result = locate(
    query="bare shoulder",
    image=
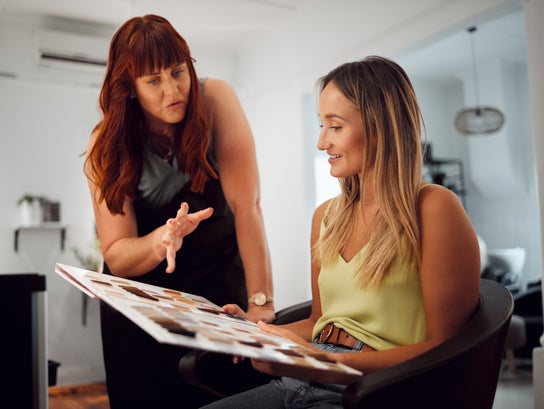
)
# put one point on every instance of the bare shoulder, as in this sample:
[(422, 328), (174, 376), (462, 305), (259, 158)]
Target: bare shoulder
[(438, 200), (317, 219), (221, 103), (216, 89), (319, 212), (445, 224)]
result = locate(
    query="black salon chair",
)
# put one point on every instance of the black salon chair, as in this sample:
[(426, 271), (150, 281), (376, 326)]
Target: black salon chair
[(528, 305), (462, 372)]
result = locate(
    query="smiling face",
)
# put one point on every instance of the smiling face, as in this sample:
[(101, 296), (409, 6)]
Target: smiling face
[(163, 96), (342, 132)]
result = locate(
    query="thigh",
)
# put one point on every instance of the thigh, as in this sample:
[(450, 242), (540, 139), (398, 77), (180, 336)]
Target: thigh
[(263, 397), (300, 394)]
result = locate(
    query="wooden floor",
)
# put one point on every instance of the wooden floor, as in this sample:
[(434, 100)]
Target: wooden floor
[(514, 390), (92, 396)]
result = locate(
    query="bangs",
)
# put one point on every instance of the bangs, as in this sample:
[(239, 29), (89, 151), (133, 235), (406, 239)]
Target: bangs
[(153, 51)]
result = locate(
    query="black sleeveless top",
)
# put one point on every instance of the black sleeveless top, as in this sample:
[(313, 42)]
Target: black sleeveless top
[(208, 263)]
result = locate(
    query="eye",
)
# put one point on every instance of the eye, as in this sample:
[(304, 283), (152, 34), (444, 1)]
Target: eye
[(153, 81), (178, 72)]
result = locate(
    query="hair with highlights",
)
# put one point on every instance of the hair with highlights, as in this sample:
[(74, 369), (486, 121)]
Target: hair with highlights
[(114, 163), (383, 94)]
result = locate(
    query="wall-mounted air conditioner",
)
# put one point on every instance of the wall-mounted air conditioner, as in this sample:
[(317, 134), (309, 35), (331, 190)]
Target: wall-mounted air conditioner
[(71, 50)]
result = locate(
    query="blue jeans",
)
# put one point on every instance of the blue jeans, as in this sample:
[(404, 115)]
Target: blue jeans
[(289, 393)]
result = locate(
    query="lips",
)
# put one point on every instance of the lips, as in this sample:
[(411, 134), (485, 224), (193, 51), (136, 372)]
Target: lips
[(175, 104)]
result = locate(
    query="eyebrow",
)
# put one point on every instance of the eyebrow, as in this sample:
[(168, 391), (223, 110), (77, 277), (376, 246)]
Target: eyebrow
[(150, 74), (333, 116)]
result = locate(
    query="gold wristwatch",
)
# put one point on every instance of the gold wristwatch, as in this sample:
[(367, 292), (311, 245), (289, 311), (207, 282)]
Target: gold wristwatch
[(260, 299)]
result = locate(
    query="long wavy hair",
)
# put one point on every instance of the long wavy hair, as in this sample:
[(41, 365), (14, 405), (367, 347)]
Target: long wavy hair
[(140, 46), (383, 94)]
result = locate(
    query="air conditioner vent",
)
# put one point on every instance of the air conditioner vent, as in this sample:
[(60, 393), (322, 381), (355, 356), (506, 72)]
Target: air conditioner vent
[(55, 57), (71, 50)]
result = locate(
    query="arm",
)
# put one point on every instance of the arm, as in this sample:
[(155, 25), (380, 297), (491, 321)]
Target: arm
[(129, 255), (236, 158), (446, 278)]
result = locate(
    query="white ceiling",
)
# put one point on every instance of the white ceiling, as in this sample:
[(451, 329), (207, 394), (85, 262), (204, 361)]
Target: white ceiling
[(219, 23), (497, 38), (231, 25)]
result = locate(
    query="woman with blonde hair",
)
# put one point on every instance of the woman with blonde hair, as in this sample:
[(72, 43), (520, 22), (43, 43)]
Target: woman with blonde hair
[(395, 261)]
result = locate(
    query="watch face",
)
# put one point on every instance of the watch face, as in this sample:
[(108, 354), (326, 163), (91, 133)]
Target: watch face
[(259, 299)]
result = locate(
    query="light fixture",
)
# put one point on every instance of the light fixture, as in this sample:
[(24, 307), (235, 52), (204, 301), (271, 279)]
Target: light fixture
[(479, 119)]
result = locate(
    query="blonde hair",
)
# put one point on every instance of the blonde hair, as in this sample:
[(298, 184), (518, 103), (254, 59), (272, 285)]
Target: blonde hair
[(382, 92)]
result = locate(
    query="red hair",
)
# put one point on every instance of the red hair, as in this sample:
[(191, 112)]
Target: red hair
[(142, 45)]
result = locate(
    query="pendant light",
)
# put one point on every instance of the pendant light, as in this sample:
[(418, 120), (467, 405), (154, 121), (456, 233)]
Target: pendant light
[(478, 119)]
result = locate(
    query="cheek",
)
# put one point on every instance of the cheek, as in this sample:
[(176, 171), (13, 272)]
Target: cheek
[(186, 87), (148, 101)]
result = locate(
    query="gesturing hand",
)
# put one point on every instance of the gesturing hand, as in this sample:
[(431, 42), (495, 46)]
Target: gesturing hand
[(177, 228)]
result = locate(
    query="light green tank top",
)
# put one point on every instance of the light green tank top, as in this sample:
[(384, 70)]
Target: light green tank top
[(388, 316)]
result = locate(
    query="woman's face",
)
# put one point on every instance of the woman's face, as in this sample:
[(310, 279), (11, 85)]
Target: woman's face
[(342, 132), (163, 95)]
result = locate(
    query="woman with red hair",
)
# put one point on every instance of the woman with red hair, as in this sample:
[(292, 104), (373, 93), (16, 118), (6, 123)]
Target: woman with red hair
[(169, 142)]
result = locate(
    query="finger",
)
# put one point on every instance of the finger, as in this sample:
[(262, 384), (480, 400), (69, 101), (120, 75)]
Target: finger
[(189, 222), (270, 328), (233, 309), (171, 226), (197, 217), (183, 210), (236, 359), (170, 259)]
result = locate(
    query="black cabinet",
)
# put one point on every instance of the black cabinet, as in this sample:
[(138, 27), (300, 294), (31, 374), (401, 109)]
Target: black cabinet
[(23, 340), (445, 172)]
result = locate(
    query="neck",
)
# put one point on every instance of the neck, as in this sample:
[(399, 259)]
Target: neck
[(161, 145)]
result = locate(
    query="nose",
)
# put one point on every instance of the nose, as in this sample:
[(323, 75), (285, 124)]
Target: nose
[(323, 143), (171, 87)]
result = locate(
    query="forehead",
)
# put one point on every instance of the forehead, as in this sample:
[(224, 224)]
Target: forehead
[(148, 57), (332, 102)]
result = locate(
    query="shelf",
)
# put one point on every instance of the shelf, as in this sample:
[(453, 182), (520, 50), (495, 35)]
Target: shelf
[(42, 226), (441, 173)]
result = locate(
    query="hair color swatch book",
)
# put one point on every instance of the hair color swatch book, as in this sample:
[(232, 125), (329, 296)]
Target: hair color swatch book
[(178, 318)]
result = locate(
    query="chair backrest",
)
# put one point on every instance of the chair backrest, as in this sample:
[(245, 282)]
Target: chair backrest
[(294, 313), (462, 372)]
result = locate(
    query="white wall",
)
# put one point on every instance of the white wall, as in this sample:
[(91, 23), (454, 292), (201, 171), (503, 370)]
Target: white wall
[(44, 130)]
